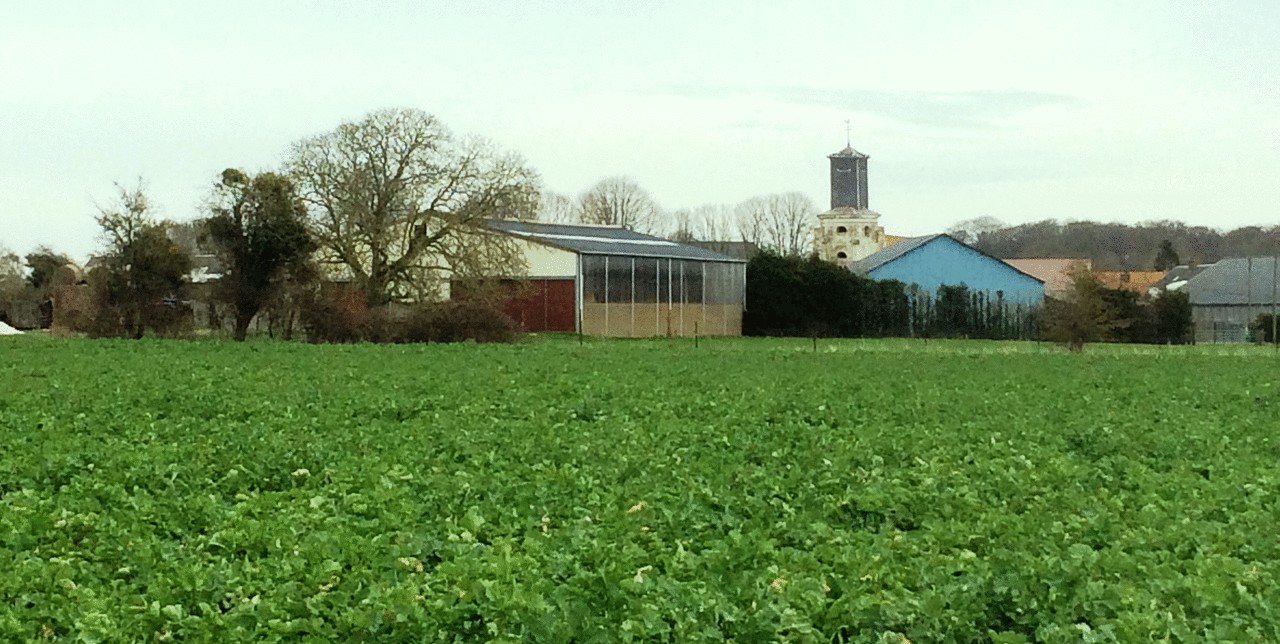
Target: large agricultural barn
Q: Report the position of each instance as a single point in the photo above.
(611, 281)
(936, 260)
(1227, 296)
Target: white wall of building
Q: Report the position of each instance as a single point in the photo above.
(548, 261)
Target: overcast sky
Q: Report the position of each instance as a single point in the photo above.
(1081, 109)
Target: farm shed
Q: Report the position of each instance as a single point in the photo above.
(937, 260)
(1228, 296)
(611, 281)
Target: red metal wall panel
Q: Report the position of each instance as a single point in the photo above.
(542, 305)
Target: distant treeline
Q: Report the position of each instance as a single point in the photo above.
(1113, 246)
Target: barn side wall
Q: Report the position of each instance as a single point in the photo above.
(1225, 323)
(945, 261)
(539, 305)
(627, 320)
(644, 297)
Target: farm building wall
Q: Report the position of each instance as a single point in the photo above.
(1225, 323)
(542, 304)
(1229, 295)
(547, 261)
(645, 296)
(945, 261)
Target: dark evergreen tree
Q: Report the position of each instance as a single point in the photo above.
(1167, 258)
(258, 228)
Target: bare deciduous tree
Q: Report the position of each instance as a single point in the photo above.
(620, 201)
(12, 284)
(715, 222)
(683, 230)
(402, 204)
(556, 208)
(781, 223)
(969, 230)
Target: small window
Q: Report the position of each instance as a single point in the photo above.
(841, 229)
(842, 255)
(866, 231)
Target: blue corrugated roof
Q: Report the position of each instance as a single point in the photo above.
(606, 240)
(885, 255)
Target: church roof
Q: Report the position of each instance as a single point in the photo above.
(848, 152)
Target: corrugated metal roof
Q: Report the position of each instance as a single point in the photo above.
(891, 253)
(605, 240)
(1178, 276)
(1233, 281)
(743, 250)
(888, 254)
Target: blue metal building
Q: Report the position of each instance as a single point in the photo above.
(936, 260)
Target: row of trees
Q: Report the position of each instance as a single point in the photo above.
(1149, 245)
(25, 283)
(394, 205)
(793, 296)
(781, 223)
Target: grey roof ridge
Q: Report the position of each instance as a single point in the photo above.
(533, 237)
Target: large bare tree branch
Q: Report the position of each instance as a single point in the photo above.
(403, 204)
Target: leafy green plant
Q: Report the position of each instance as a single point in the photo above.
(748, 489)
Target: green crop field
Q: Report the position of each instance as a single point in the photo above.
(754, 490)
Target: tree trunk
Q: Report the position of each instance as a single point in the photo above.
(242, 326)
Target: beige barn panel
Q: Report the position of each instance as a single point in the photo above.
(545, 261)
(646, 320)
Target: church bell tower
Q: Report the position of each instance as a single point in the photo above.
(848, 179)
(850, 230)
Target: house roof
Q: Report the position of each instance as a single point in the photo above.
(1237, 280)
(1055, 272)
(605, 240)
(1137, 281)
(891, 253)
(1177, 277)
